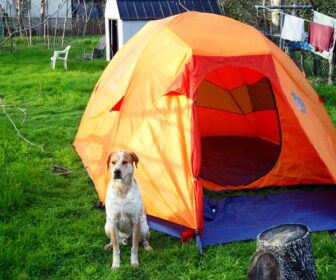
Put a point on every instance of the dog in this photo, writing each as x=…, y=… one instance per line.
x=264, y=266
x=125, y=214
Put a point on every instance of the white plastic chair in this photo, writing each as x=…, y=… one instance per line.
x=58, y=56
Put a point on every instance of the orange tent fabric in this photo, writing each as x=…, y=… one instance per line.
x=194, y=95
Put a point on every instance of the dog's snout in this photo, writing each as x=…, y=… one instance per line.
x=117, y=174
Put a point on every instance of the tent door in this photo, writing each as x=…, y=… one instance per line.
x=239, y=126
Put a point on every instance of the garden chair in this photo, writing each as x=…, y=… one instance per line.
x=97, y=51
x=58, y=55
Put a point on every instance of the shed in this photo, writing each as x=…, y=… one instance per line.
x=123, y=18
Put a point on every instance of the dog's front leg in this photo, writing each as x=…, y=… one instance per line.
x=135, y=245
x=115, y=243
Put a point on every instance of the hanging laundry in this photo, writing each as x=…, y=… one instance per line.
x=324, y=19
x=293, y=28
x=329, y=21
x=321, y=36
x=304, y=45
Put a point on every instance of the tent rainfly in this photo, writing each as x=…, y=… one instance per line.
x=207, y=103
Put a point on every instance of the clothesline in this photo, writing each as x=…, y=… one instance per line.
x=283, y=13
x=321, y=35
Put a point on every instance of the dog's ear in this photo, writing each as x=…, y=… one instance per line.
x=108, y=161
x=135, y=159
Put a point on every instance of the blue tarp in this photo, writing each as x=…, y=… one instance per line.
x=244, y=217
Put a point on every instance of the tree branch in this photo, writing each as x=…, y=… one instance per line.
x=33, y=26
x=3, y=106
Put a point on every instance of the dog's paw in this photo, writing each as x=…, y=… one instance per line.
x=124, y=241
x=135, y=264
x=108, y=247
x=115, y=266
x=148, y=248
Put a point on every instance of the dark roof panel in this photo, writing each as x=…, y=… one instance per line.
x=131, y=8
x=166, y=8
x=156, y=9
x=190, y=5
x=199, y=6
x=141, y=11
x=148, y=9
x=174, y=7
x=123, y=9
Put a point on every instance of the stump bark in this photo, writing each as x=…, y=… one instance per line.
x=284, y=252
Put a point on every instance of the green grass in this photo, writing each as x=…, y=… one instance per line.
x=48, y=227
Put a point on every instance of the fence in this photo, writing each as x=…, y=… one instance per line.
x=71, y=26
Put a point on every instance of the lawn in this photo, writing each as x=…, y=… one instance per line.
x=48, y=226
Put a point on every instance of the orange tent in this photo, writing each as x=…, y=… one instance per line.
x=206, y=102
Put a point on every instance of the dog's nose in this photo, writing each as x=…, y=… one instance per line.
x=117, y=174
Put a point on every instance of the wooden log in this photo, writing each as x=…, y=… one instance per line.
x=284, y=252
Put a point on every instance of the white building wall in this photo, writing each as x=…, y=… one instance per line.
x=130, y=27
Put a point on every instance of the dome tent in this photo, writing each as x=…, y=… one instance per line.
x=206, y=102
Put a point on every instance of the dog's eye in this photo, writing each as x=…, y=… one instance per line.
x=124, y=162
x=113, y=162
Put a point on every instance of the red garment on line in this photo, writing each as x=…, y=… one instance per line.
x=321, y=36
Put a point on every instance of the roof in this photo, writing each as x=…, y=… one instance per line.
x=156, y=9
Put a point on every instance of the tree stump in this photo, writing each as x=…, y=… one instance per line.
x=284, y=252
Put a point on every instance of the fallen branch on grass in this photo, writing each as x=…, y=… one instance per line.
x=3, y=106
x=59, y=170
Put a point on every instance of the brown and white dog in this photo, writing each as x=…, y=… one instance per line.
x=125, y=214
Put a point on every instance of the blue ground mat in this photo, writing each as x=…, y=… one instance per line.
x=242, y=218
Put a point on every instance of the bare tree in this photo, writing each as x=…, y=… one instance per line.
x=65, y=21
x=45, y=23
x=42, y=16
x=46, y=26
x=19, y=13
x=29, y=23
x=87, y=14
x=56, y=23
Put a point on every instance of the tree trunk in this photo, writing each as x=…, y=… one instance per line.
x=30, y=26
x=47, y=23
x=87, y=15
x=42, y=17
x=56, y=23
x=283, y=252
x=19, y=14
x=65, y=22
